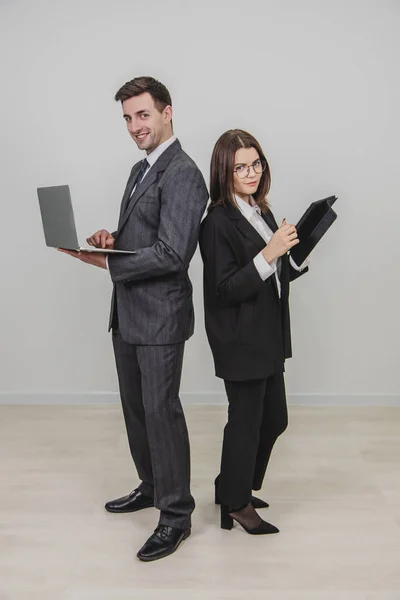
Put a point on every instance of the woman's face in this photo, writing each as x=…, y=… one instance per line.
x=246, y=180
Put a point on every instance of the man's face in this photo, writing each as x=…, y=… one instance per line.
x=146, y=125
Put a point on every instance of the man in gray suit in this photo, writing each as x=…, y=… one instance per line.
x=152, y=310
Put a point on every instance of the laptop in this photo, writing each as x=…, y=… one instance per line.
x=59, y=222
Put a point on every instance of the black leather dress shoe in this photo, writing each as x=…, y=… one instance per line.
x=164, y=541
x=131, y=503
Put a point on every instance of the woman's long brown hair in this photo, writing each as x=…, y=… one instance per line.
x=222, y=165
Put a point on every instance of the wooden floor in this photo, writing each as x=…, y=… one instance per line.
x=333, y=486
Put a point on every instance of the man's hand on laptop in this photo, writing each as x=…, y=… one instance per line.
x=97, y=259
x=101, y=239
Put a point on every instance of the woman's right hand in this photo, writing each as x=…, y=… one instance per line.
x=283, y=240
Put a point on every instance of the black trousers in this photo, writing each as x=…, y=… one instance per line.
x=257, y=415
x=149, y=379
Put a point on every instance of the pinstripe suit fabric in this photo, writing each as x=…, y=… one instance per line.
x=152, y=317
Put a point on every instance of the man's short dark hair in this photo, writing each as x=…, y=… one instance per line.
x=141, y=85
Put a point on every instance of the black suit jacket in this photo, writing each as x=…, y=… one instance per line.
x=247, y=324
x=161, y=221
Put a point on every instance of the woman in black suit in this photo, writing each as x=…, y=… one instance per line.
x=247, y=271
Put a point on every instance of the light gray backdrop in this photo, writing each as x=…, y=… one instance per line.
x=315, y=81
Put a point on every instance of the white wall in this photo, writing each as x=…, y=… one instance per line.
x=315, y=81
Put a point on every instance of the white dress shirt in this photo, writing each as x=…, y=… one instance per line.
x=252, y=213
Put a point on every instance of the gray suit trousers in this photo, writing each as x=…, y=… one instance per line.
x=149, y=379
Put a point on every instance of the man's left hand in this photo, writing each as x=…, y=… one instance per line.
x=97, y=259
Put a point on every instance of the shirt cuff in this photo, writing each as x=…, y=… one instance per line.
x=108, y=268
x=305, y=264
x=263, y=267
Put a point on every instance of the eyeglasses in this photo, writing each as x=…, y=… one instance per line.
x=243, y=171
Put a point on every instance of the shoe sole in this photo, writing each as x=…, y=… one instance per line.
x=145, y=559
x=130, y=510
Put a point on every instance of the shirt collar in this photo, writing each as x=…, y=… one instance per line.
x=247, y=210
x=156, y=153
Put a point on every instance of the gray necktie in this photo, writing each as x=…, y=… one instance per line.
x=143, y=168
x=140, y=175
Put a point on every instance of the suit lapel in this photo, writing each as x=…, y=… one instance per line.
x=248, y=231
x=128, y=204
x=150, y=178
x=128, y=191
x=272, y=224
x=252, y=234
x=270, y=220
x=244, y=226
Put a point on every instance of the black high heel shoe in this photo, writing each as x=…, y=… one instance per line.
x=256, y=502
x=262, y=529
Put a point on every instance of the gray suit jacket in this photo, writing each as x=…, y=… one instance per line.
x=152, y=289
